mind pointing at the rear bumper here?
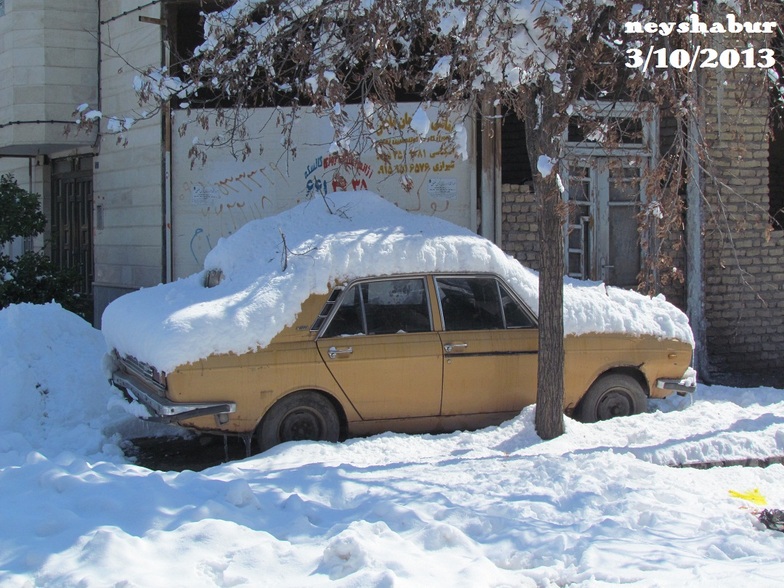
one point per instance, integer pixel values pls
(162, 409)
(685, 385)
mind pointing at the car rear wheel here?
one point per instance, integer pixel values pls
(302, 416)
(611, 396)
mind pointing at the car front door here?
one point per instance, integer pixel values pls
(490, 343)
(380, 346)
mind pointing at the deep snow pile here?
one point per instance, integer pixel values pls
(496, 507)
(344, 235)
(53, 390)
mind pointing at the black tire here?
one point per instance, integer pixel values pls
(301, 416)
(611, 396)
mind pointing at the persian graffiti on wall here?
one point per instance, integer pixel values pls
(420, 167)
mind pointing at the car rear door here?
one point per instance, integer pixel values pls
(490, 342)
(380, 346)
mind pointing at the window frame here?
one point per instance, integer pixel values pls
(600, 110)
(348, 289)
(327, 309)
(499, 281)
(430, 281)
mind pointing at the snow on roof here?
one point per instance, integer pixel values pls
(325, 240)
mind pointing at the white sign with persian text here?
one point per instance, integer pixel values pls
(215, 199)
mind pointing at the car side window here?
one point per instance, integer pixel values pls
(382, 307)
(348, 319)
(326, 309)
(470, 303)
(516, 317)
(479, 303)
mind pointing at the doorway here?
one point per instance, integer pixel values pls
(72, 222)
(605, 195)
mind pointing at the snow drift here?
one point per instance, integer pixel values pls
(597, 506)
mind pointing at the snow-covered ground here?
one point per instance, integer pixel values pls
(497, 507)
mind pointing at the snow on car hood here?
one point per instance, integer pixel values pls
(324, 240)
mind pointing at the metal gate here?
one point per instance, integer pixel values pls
(72, 220)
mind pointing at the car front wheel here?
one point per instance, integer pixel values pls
(611, 396)
(301, 416)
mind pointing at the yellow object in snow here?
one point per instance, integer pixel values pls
(752, 496)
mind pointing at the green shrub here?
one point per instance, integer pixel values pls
(31, 277)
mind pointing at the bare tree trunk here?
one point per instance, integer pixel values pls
(541, 140)
(550, 383)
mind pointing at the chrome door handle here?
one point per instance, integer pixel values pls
(450, 347)
(333, 352)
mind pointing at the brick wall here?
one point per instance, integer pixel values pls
(744, 257)
(520, 238)
(520, 228)
(776, 176)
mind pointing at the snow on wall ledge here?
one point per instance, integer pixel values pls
(347, 234)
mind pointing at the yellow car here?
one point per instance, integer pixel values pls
(349, 316)
(410, 353)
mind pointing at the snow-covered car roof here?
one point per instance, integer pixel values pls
(271, 266)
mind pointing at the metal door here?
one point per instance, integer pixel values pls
(71, 220)
(602, 237)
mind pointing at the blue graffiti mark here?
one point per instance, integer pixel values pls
(195, 234)
(316, 165)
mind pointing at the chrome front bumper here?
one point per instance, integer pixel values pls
(162, 409)
(685, 385)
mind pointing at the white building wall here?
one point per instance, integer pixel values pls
(214, 199)
(48, 65)
(128, 177)
(56, 56)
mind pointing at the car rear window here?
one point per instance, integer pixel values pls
(474, 303)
